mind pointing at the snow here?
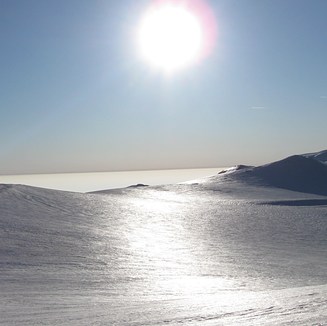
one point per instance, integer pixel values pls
(231, 249)
(297, 173)
(319, 156)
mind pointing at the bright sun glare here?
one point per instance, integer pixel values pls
(170, 36)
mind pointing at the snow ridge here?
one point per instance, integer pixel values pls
(319, 156)
(301, 173)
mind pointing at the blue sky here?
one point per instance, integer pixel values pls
(75, 96)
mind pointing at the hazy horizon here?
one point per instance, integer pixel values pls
(75, 95)
(95, 181)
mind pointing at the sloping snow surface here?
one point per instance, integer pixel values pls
(232, 249)
(320, 156)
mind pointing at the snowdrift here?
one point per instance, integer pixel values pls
(297, 173)
(301, 173)
(319, 156)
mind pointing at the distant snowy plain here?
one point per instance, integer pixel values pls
(244, 247)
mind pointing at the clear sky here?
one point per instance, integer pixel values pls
(75, 95)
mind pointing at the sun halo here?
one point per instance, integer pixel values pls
(170, 37)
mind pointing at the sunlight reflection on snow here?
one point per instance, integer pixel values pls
(152, 257)
(166, 247)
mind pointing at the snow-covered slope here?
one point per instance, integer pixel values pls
(227, 250)
(319, 156)
(296, 173)
(301, 173)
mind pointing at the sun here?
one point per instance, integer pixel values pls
(170, 36)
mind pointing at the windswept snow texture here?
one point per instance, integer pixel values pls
(319, 156)
(220, 251)
(297, 173)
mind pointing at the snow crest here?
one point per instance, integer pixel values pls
(301, 173)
